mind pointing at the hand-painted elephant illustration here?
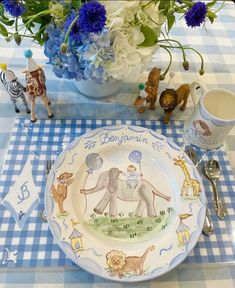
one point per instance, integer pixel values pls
(115, 188)
(60, 193)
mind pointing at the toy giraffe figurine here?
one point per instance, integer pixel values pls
(188, 181)
(35, 84)
(14, 88)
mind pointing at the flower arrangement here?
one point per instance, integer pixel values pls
(101, 39)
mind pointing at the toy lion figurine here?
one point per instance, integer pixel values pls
(171, 98)
(148, 93)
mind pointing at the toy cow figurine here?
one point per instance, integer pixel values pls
(14, 88)
(35, 84)
(148, 93)
(171, 98)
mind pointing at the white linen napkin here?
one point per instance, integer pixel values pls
(22, 197)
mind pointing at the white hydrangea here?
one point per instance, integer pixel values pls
(124, 20)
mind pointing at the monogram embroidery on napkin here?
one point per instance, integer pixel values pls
(22, 197)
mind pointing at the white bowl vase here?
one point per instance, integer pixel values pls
(94, 90)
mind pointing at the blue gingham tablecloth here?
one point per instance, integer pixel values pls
(45, 139)
(216, 43)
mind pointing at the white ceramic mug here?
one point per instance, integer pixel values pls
(213, 117)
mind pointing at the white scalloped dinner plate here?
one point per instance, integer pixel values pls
(125, 203)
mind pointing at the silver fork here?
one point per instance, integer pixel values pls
(49, 164)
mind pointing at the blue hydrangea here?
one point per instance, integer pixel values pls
(55, 39)
(89, 47)
(92, 17)
(196, 15)
(13, 7)
(83, 60)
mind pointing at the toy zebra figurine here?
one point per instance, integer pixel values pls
(36, 85)
(13, 87)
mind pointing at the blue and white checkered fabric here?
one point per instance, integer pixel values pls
(45, 139)
(217, 46)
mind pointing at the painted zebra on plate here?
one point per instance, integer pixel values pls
(14, 88)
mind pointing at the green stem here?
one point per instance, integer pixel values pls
(43, 27)
(222, 6)
(16, 24)
(199, 54)
(158, 24)
(148, 4)
(31, 18)
(180, 46)
(181, 9)
(42, 13)
(165, 39)
(169, 65)
(69, 29)
(27, 36)
(189, 3)
(188, 48)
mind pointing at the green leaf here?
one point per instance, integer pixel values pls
(4, 19)
(3, 31)
(211, 4)
(29, 26)
(7, 22)
(35, 6)
(189, 3)
(170, 22)
(164, 6)
(1, 10)
(149, 35)
(211, 16)
(76, 4)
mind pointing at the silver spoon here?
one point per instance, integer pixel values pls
(212, 172)
(208, 228)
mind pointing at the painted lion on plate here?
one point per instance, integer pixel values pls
(119, 264)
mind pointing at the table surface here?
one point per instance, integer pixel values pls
(216, 43)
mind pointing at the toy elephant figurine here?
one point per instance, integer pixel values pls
(14, 88)
(116, 188)
(35, 85)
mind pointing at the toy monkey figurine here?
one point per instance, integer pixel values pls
(14, 88)
(35, 84)
(148, 92)
(171, 98)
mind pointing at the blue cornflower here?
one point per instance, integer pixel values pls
(196, 15)
(14, 8)
(75, 33)
(92, 17)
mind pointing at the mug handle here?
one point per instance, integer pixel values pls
(194, 87)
